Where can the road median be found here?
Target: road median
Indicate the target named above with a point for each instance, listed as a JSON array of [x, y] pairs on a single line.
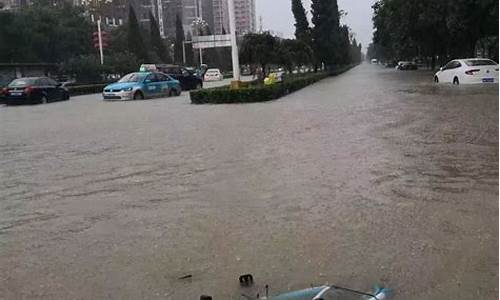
[[259, 92]]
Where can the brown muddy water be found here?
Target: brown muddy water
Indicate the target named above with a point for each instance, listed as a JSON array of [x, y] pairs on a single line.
[[374, 176]]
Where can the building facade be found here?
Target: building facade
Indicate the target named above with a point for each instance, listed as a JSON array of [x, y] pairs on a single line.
[[245, 16]]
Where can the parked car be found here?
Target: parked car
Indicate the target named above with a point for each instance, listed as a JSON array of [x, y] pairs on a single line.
[[469, 70], [213, 75], [374, 61], [406, 65], [189, 80], [33, 90], [142, 85]]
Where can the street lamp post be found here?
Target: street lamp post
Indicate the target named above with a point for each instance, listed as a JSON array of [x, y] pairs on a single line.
[[234, 46]]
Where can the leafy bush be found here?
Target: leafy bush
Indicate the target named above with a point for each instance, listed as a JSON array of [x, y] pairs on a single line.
[[86, 89], [260, 93]]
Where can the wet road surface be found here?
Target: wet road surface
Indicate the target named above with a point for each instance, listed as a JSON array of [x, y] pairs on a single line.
[[371, 176]]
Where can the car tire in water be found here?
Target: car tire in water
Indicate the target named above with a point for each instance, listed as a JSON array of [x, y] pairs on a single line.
[[455, 81], [138, 95]]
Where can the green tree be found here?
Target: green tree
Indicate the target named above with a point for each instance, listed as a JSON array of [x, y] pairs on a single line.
[[433, 29], [84, 68], [292, 53], [302, 29], [325, 34], [179, 40], [136, 43], [42, 33], [258, 49], [157, 43]]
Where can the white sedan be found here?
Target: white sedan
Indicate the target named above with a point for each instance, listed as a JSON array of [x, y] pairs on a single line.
[[468, 70], [213, 75]]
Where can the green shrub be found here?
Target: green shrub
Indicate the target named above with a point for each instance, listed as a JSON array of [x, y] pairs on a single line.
[[86, 89], [256, 92]]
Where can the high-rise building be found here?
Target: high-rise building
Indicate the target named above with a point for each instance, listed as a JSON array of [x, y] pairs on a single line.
[[245, 16], [221, 16]]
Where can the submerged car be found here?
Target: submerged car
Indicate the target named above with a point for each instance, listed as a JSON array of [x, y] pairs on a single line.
[[142, 85], [33, 90], [213, 75], [406, 65], [467, 71], [189, 80], [330, 292]]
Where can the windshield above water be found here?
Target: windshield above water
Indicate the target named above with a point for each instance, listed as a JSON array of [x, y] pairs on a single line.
[[133, 77], [22, 82], [480, 62]]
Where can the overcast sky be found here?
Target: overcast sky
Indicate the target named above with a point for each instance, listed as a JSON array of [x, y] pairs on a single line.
[[277, 16]]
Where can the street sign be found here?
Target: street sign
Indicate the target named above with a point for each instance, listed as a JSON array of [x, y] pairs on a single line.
[[211, 41]]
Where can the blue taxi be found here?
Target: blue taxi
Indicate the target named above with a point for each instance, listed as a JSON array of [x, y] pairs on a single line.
[[142, 85]]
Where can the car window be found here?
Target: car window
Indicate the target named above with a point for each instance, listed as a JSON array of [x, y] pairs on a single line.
[[133, 77], [448, 65], [480, 62], [172, 70], [162, 77], [452, 65], [22, 82], [336, 294], [185, 72], [152, 77], [51, 81]]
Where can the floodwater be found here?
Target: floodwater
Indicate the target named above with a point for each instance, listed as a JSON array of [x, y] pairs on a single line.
[[374, 176]]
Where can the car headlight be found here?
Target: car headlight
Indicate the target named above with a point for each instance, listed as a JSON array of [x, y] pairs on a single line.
[[127, 89]]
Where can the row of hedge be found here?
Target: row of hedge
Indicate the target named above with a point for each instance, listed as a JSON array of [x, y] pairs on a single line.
[[86, 89], [260, 93]]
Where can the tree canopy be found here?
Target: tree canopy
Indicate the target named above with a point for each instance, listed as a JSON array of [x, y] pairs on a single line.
[[438, 29]]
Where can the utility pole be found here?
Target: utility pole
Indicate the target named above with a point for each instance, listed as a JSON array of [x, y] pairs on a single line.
[[100, 40], [234, 45]]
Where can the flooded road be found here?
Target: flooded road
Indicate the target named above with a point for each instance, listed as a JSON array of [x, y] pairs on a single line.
[[374, 176]]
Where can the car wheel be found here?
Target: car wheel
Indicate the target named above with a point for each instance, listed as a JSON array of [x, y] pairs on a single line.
[[178, 92], [138, 95], [44, 100], [455, 81], [171, 93], [436, 79], [199, 86]]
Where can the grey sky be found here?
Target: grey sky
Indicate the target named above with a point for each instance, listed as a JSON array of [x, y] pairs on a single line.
[[277, 16]]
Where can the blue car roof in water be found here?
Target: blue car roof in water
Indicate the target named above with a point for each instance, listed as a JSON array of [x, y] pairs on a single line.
[[307, 294]]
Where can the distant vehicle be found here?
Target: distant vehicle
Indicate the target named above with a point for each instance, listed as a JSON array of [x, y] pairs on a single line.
[[189, 80], [32, 90], [142, 85], [391, 64], [213, 75], [406, 65], [374, 61], [468, 70]]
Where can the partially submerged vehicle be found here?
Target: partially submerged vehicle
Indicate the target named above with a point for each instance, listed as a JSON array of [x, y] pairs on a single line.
[[331, 292]]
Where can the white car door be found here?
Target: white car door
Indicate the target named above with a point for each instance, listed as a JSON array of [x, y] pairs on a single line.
[[448, 72]]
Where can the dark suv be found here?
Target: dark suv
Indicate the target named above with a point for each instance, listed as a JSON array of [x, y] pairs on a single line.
[[188, 80]]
